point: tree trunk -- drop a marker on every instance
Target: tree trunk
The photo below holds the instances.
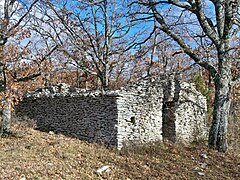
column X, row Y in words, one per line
column 6, row 119
column 86, row 80
column 105, row 83
column 218, row 131
column 79, row 78
column 6, row 105
column 149, row 73
column 2, row 79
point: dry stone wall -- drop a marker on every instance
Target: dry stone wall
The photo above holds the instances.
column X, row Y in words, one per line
column 86, row 117
column 140, row 113
column 184, row 112
column 191, row 116
column 152, row 109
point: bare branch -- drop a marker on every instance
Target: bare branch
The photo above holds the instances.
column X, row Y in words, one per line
column 82, row 67
column 23, row 16
column 35, row 75
column 27, row 78
column 204, row 22
column 187, row 49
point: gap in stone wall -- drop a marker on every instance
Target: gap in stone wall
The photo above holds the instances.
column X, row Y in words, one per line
column 168, row 126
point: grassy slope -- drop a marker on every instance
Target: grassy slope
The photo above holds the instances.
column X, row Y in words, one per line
column 38, row 155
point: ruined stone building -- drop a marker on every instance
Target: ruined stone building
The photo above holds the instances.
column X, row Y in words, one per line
column 153, row 109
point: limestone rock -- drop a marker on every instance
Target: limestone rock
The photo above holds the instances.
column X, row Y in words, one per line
column 103, row 169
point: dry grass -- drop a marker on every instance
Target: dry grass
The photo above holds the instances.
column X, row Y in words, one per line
column 234, row 126
column 37, row 155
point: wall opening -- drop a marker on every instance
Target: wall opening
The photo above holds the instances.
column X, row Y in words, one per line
column 168, row 123
column 133, row 120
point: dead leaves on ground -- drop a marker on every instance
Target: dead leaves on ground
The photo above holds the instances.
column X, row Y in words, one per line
column 31, row 154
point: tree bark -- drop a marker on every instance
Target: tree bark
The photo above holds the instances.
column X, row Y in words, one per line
column 86, row 80
column 218, row 131
column 105, row 83
column 2, row 79
column 6, row 119
column 6, row 105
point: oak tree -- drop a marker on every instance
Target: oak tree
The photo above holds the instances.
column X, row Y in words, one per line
column 215, row 22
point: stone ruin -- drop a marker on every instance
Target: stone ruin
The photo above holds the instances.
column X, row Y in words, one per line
column 152, row 109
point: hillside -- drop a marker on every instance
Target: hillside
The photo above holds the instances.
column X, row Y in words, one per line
column 30, row 154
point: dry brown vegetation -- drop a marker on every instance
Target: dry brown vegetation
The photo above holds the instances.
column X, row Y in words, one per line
column 31, row 154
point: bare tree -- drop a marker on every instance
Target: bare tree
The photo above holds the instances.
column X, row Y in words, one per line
column 12, row 15
column 212, row 21
column 15, row 53
column 98, row 32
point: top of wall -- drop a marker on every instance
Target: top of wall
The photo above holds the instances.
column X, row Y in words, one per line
column 144, row 85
